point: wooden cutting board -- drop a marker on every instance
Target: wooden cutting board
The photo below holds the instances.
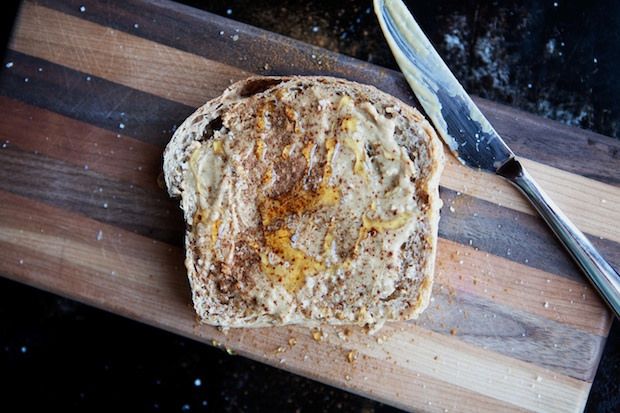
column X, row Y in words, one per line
column 90, row 96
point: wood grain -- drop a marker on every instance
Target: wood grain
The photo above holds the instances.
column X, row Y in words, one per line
column 513, row 326
column 140, row 278
column 51, row 35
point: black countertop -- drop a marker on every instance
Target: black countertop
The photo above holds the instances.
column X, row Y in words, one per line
column 554, row 58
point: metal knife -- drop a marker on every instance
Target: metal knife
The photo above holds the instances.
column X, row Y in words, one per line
column 472, row 139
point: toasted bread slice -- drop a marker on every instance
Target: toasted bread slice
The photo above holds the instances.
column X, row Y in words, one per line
column 307, row 200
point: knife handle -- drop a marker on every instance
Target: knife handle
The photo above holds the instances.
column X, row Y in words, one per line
column 600, row 273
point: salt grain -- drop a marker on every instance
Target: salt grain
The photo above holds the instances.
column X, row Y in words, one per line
column 136, row 25
column 99, row 235
column 82, row 9
column 121, row 125
column 546, row 304
column 9, row 65
column 197, row 382
column 235, row 37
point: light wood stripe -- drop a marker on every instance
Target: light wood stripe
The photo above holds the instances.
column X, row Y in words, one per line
column 186, row 78
column 459, row 267
column 136, row 277
column 119, row 57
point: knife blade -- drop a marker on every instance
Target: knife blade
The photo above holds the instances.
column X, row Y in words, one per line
column 474, row 141
column 459, row 122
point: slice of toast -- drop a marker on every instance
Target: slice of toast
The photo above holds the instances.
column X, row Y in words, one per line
column 307, row 200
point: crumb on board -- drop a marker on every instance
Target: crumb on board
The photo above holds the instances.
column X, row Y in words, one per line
column 280, row 349
column 453, row 331
column 317, row 334
column 292, row 341
column 352, row 356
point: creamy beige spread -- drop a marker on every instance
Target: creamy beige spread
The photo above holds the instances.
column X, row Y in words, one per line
column 309, row 214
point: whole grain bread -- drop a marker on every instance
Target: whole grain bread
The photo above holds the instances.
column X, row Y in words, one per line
column 279, row 230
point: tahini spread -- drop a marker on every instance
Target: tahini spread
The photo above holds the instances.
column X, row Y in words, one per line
column 313, row 207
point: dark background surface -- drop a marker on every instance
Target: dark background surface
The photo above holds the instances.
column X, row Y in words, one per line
column 556, row 59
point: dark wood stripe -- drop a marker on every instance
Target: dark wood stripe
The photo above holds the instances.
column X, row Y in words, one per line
column 515, row 333
column 91, row 100
column 146, row 212
column 511, row 234
column 197, row 32
column 80, row 144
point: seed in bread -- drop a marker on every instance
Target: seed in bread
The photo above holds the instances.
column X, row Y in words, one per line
column 307, row 200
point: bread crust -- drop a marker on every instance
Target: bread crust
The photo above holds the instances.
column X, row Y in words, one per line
column 195, row 129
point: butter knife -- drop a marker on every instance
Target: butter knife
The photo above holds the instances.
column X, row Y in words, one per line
column 472, row 139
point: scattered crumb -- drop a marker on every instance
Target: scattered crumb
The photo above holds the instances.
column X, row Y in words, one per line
column 292, row 341
column 546, row 304
column 352, row 356
column 82, row 9
column 453, row 331
column 282, row 361
column 266, row 66
column 9, row 65
column 99, row 235
column 317, row 334
column 136, row 26
column 539, row 379
column 230, row 351
column 452, row 209
column 235, row 37
column 280, row 350
column 121, row 125
column 347, row 377
column 436, row 358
